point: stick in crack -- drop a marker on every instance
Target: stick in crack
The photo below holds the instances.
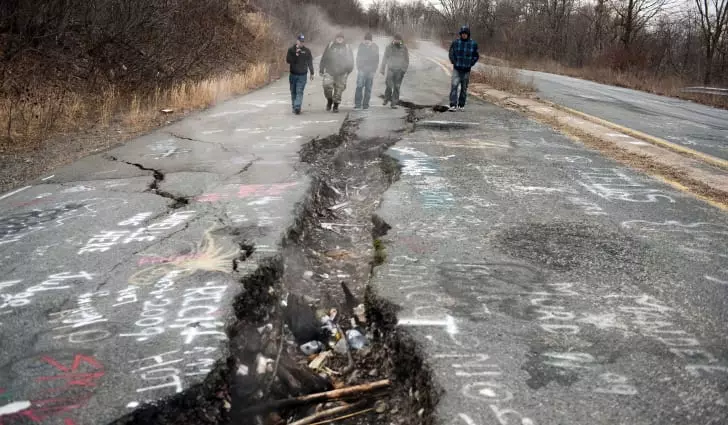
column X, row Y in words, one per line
column 315, row 398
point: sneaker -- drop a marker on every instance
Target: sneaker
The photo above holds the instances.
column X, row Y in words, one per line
column 461, row 108
column 385, row 102
column 453, row 108
column 393, row 106
column 365, row 107
column 357, row 107
column 336, row 107
column 297, row 111
column 329, row 102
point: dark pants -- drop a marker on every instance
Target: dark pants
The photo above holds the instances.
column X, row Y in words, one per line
column 363, row 94
column 298, row 84
column 394, row 81
column 459, row 78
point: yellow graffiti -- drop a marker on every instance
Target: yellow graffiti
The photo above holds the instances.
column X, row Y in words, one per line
column 208, row 255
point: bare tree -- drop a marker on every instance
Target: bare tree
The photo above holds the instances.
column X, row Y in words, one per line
column 713, row 15
column 459, row 12
column 634, row 15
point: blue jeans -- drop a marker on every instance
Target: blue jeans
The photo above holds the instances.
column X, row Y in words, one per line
column 298, row 84
column 363, row 94
column 459, row 78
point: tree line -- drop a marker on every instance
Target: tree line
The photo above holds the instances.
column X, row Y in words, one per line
column 661, row 37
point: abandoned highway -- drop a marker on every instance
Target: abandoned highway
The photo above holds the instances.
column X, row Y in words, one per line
column 541, row 281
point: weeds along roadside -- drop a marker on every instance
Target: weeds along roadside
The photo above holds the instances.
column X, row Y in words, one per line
column 37, row 109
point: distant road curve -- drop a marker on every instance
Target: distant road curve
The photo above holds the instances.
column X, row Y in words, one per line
column 698, row 127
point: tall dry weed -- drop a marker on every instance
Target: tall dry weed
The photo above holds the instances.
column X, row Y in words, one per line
column 505, row 79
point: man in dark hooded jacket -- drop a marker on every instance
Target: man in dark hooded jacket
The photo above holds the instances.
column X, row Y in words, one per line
column 337, row 63
column 463, row 56
column 396, row 60
column 301, row 61
column 367, row 62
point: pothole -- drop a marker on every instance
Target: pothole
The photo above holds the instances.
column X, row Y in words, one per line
column 564, row 246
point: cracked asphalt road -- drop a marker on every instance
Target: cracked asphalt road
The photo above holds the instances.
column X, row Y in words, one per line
column 545, row 283
column 548, row 284
column 119, row 271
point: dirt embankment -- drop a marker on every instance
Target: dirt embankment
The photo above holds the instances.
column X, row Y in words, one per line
column 80, row 76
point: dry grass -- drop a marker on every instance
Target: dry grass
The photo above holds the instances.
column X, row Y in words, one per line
column 638, row 80
column 143, row 112
column 505, row 79
column 28, row 123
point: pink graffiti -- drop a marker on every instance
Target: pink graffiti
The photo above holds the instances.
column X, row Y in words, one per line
column 171, row 259
column 249, row 191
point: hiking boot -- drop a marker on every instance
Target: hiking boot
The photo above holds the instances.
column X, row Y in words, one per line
column 336, row 107
column 329, row 102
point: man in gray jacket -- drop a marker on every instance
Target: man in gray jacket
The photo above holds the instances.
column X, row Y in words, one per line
column 396, row 60
column 335, row 67
column 367, row 62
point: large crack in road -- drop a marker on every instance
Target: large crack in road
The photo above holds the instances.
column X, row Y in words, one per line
column 325, row 263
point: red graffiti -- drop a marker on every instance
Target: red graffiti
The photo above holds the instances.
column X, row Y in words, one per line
column 78, row 379
column 40, row 410
column 75, row 374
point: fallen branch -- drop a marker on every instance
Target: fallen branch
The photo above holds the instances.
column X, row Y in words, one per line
column 339, row 418
column 318, row 397
column 326, row 413
column 350, row 366
column 281, row 343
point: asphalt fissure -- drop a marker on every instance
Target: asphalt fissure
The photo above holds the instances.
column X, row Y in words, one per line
column 179, row 201
column 323, row 264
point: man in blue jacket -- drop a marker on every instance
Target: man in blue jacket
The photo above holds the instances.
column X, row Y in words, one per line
column 367, row 62
column 463, row 56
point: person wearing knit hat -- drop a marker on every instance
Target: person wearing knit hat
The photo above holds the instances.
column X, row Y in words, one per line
column 463, row 56
column 300, row 59
column 367, row 62
column 396, row 62
column 336, row 64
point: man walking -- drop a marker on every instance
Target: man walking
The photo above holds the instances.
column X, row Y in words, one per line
column 396, row 60
column 367, row 62
column 463, row 56
column 336, row 65
column 300, row 59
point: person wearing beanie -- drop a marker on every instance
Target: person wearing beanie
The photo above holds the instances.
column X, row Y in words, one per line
column 367, row 62
column 300, row 59
column 463, row 56
column 336, row 64
column 396, row 62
